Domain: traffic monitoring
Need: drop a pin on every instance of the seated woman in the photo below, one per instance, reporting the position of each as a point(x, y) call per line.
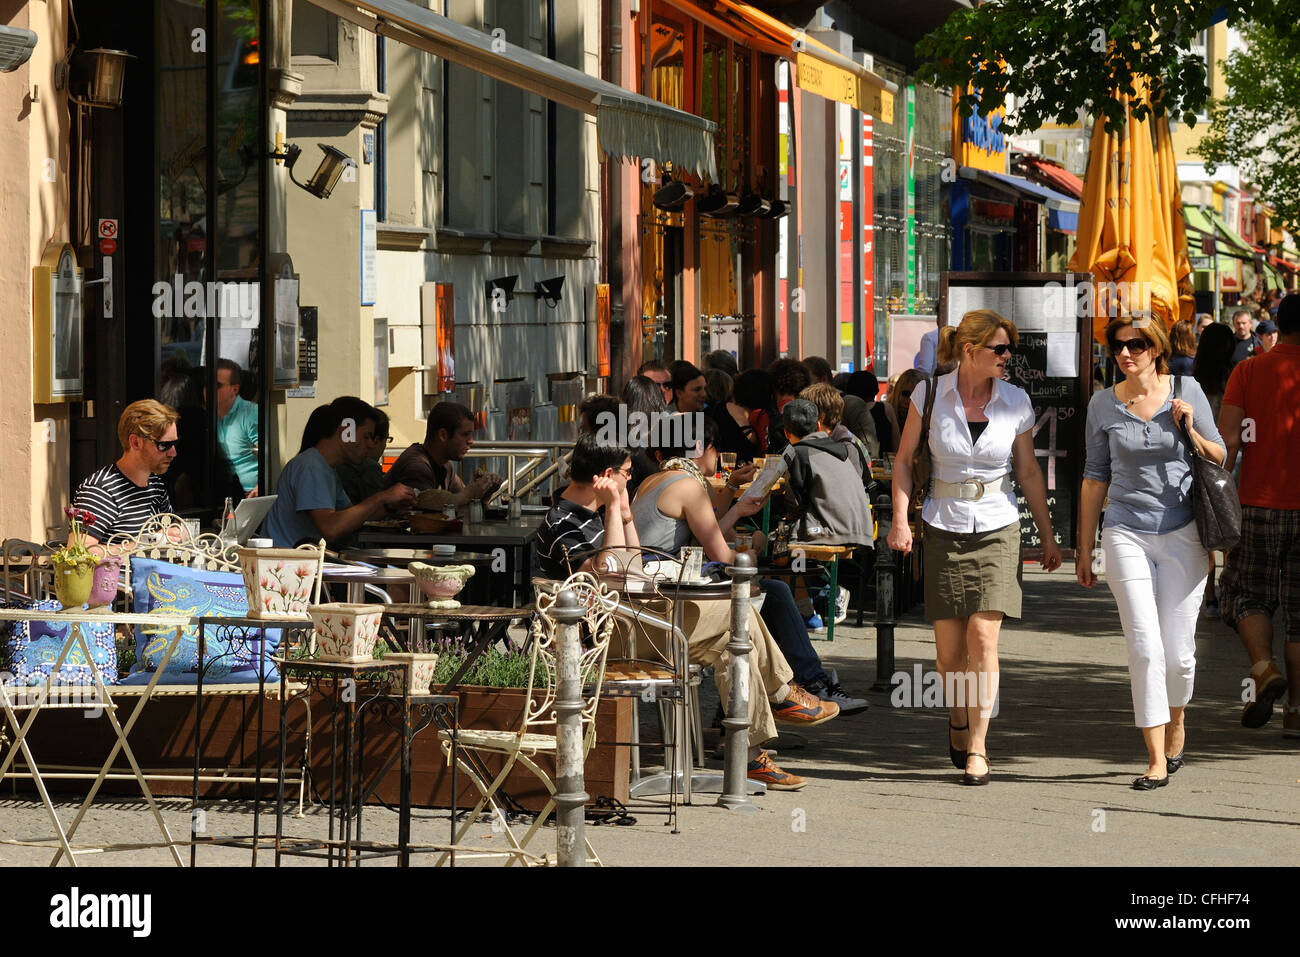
point(674, 507)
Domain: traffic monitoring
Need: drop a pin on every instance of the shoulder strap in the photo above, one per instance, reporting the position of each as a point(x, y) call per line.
point(1182, 429)
point(931, 388)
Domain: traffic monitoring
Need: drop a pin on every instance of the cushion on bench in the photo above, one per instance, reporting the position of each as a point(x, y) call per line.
point(34, 647)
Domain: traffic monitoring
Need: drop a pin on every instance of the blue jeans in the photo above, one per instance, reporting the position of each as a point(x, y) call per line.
point(781, 615)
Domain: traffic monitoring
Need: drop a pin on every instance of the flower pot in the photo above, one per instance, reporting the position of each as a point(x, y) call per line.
point(280, 581)
point(106, 576)
point(441, 583)
point(415, 680)
point(345, 632)
point(72, 584)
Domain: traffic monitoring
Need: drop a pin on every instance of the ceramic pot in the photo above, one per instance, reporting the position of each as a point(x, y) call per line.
point(72, 584)
point(418, 676)
point(280, 581)
point(106, 576)
point(441, 583)
point(345, 632)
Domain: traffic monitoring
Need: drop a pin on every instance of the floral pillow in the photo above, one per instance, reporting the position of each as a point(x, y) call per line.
point(34, 647)
point(233, 655)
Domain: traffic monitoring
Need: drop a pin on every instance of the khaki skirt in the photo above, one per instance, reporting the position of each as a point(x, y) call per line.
point(966, 572)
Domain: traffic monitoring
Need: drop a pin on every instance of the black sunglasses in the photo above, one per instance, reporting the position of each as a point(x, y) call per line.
point(166, 446)
point(1002, 349)
point(1135, 346)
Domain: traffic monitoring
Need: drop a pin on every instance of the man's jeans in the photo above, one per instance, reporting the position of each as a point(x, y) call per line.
point(781, 615)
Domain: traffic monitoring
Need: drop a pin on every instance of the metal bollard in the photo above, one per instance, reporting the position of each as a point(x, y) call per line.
point(571, 796)
point(735, 783)
point(886, 614)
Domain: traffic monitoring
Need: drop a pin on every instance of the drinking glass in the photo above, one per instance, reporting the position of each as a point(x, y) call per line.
point(728, 461)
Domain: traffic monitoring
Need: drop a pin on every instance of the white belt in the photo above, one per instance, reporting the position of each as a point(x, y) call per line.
point(971, 489)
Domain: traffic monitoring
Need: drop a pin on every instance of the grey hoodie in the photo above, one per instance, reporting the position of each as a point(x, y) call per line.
point(829, 502)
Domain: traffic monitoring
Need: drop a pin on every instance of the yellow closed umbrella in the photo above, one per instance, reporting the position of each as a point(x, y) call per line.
point(1117, 232)
point(1173, 236)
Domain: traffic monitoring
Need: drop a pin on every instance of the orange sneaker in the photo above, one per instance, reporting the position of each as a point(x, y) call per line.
point(763, 769)
point(804, 708)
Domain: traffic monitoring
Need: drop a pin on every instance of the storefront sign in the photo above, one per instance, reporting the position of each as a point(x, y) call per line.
point(844, 86)
point(978, 141)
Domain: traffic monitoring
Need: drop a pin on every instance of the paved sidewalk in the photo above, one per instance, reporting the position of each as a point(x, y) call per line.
point(1063, 748)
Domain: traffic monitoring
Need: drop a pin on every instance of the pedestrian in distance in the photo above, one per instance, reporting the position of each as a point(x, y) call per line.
point(981, 430)
point(1154, 561)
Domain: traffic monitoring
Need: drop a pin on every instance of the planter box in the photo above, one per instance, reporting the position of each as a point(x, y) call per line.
point(163, 739)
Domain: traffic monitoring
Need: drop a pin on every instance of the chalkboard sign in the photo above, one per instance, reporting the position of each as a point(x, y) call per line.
point(1052, 363)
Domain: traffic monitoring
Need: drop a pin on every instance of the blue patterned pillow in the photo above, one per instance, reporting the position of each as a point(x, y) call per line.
point(163, 588)
point(34, 647)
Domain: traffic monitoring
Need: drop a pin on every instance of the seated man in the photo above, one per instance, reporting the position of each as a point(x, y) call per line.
point(447, 437)
point(574, 529)
point(125, 495)
point(824, 491)
point(830, 409)
point(312, 504)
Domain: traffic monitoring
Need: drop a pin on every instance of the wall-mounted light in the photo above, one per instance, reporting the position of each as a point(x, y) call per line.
point(550, 290)
point(672, 195)
point(497, 300)
point(16, 46)
point(107, 75)
point(327, 174)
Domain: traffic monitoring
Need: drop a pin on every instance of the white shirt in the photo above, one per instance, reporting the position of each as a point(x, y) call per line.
point(1010, 413)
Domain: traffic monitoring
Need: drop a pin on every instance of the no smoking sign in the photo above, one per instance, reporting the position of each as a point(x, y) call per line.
point(108, 229)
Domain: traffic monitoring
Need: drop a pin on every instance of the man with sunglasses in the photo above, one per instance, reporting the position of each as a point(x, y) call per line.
point(125, 495)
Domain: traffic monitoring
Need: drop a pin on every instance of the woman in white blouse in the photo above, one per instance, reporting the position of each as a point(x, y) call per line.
point(981, 429)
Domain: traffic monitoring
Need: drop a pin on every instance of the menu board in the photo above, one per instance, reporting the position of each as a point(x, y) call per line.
point(1053, 364)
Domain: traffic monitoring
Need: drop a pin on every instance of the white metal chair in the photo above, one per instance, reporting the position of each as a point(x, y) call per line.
point(536, 733)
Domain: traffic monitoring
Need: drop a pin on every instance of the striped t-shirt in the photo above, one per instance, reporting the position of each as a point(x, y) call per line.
point(120, 507)
point(567, 537)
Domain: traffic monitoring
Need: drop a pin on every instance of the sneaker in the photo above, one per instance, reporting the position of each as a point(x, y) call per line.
point(831, 691)
point(763, 769)
point(814, 623)
point(803, 708)
point(1291, 723)
point(1269, 686)
point(841, 605)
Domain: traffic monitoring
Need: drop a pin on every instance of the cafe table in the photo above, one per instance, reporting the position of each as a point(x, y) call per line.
point(515, 538)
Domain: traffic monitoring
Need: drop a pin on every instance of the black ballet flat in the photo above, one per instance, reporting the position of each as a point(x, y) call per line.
point(958, 758)
point(1146, 783)
point(1174, 762)
point(977, 780)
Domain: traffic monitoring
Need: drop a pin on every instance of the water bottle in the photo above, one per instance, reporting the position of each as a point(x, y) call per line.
point(228, 534)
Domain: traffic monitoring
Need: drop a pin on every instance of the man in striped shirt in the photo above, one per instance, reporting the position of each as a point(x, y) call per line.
point(125, 495)
point(592, 513)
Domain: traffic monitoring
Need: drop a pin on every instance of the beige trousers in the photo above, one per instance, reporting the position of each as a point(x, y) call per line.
point(707, 625)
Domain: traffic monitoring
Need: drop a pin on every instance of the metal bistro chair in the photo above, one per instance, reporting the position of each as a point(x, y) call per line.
point(536, 733)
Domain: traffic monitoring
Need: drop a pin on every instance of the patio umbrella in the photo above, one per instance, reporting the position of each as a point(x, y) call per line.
point(1172, 237)
point(1117, 224)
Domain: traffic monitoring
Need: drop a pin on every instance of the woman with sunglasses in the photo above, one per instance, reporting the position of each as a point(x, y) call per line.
point(981, 429)
point(1154, 561)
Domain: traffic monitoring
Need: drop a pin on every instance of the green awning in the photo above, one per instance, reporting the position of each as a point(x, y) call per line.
point(1210, 223)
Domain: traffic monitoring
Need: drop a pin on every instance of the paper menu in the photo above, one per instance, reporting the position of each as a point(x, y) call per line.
point(773, 468)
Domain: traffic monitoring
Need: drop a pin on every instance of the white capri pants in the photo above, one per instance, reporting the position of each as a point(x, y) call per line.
point(1157, 581)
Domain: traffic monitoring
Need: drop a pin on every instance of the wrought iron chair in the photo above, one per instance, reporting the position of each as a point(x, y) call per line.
point(536, 733)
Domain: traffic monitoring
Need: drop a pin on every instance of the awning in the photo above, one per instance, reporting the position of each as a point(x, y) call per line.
point(627, 124)
point(1228, 245)
point(1056, 177)
point(817, 68)
point(1282, 263)
point(1062, 210)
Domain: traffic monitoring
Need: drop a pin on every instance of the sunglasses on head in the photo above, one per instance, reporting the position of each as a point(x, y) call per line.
point(1002, 349)
point(1135, 346)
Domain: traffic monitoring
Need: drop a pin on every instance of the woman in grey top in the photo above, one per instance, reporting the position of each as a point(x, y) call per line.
point(1154, 562)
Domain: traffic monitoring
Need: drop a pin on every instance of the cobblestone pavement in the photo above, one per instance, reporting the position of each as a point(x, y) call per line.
point(881, 790)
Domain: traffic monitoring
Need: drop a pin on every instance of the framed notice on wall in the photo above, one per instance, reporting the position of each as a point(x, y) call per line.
point(57, 326)
point(369, 251)
point(284, 354)
point(1052, 363)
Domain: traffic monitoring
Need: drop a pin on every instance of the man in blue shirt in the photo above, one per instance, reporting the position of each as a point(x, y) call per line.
point(312, 504)
point(237, 425)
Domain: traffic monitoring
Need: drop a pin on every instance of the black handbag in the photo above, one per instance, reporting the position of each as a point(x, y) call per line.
point(1214, 496)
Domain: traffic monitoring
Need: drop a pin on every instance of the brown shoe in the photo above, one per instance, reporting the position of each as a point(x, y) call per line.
point(804, 708)
point(765, 770)
point(1269, 686)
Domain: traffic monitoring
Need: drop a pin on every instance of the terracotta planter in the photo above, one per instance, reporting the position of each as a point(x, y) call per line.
point(418, 676)
point(279, 581)
point(72, 584)
point(441, 583)
point(346, 632)
point(104, 590)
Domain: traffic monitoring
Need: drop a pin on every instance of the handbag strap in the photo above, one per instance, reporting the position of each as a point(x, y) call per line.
point(931, 388)
point(1182, 426)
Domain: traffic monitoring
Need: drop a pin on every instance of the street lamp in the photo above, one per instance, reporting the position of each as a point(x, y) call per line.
point(107, 75)
point(326, 177)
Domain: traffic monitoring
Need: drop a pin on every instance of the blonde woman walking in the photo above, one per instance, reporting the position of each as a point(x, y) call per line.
point(981, 430)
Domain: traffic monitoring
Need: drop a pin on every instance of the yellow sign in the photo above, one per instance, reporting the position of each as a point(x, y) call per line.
point(977, 141)
point(835, 83)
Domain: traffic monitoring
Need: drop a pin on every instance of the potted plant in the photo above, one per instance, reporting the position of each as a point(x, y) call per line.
point(74, 565)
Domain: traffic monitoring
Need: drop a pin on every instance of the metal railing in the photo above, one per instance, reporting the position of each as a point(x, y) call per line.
point(532, 469)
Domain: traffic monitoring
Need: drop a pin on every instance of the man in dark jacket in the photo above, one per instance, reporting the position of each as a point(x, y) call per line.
point(827, 499)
